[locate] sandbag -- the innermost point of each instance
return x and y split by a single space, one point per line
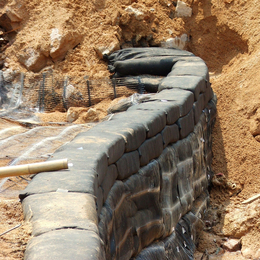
208 95
150 149
195 84
122 230
148 227
65 244
99 200
186 124
116 195
128 164
183 149
174 249
183 98
144 187
95 139
137 53
160 66
82 157
154 121
57 210
133 133
124 104
109 180
155 251
105 227
201 204
198 106
185 189
193 67
170 108
83 181
148 83
170 134
169 197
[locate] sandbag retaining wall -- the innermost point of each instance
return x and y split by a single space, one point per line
138 183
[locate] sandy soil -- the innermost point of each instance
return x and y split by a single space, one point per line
222 32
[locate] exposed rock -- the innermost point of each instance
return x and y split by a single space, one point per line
177 42
254 127
91 116
182 10
250 253
9 75
70 89
74 112
61 42
139 15
232 245
239 221
102 50
32 59
13 16
82 115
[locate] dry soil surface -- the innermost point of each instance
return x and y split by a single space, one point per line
225 33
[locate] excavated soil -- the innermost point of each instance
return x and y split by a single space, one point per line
225 33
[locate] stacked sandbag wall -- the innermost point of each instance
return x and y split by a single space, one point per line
137 184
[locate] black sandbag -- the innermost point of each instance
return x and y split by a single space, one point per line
96 139
150 149
184 236
198 106
83 181
137 53
183 149
186 124
109 180
195 226
122 229
128 164
201 204
170 134
99 200
195 84
183 98
174 249
208 95
185 189
169 197
82 157
65 244
148 226
149 83
134 133
160 66
212 108
116 195
193 67
105 227
57 210
154 121
144 187
170 108
155 251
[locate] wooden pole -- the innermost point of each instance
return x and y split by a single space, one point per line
33 168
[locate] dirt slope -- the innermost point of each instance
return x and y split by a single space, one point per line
225 33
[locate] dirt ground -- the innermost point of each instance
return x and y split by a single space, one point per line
225 33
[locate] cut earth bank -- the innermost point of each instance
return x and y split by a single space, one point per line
223 33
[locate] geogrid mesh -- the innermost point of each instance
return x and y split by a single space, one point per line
48 92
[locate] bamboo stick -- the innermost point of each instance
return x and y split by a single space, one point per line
33 168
